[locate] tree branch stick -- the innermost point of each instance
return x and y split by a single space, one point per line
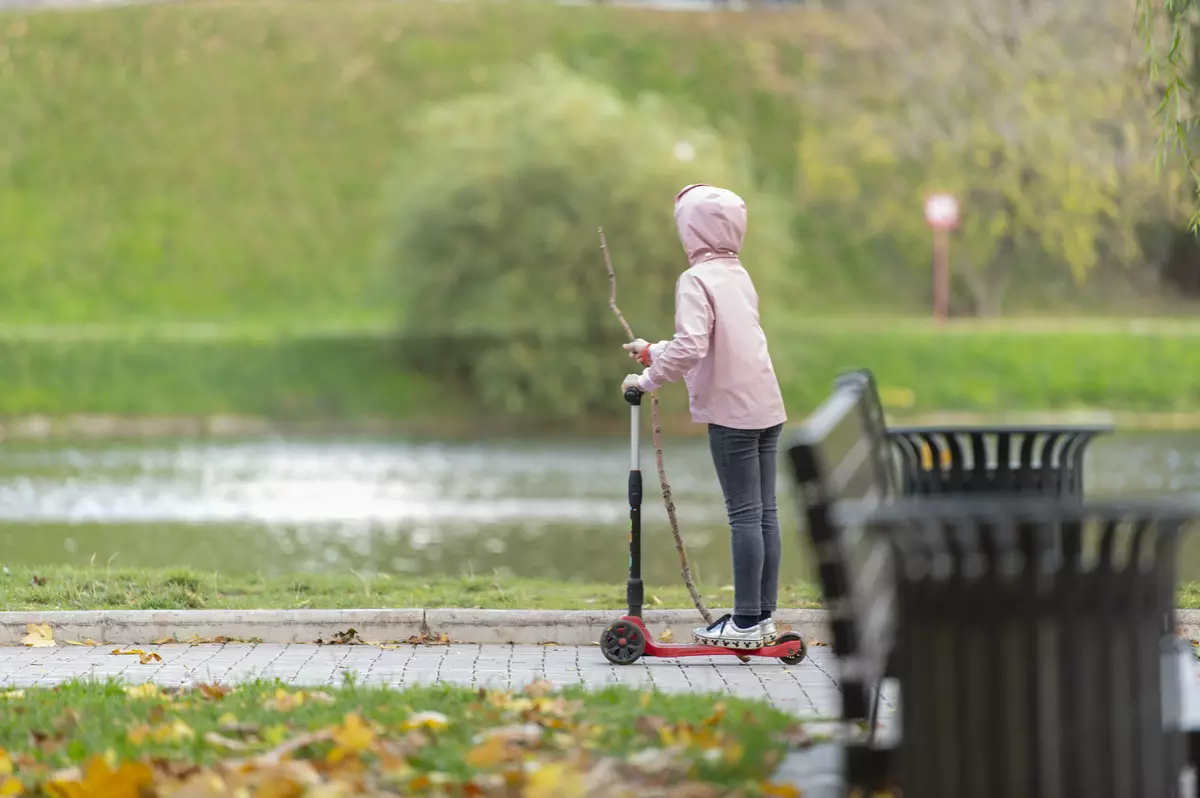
685 567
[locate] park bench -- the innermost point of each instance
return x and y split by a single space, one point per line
1030 658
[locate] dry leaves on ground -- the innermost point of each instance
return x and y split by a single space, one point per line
532 743
145 658
38 635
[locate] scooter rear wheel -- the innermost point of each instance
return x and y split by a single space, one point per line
623 643
792 637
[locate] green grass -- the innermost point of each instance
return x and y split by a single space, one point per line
225 161
339 375
470 742
70 588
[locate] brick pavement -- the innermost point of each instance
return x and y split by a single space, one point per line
807 690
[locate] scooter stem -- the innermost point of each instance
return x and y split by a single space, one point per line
634 591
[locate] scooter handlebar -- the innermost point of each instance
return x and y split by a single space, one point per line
633 396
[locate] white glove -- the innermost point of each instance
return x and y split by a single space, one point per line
630 382
637 350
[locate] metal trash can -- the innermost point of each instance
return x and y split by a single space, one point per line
1035 648
1026 460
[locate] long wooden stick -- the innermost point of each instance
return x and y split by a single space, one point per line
685 567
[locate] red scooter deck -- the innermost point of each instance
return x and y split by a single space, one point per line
789 647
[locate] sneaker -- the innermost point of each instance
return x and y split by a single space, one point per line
724 633
769 632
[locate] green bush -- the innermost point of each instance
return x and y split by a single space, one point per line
495 210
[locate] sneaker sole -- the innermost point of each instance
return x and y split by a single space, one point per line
741 645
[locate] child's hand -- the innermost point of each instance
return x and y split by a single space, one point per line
638 350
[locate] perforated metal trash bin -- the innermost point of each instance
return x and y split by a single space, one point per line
1035 646
1027 460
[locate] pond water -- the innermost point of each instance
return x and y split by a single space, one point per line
553 509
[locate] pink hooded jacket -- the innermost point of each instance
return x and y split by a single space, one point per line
719 346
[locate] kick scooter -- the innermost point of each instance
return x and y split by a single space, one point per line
626 641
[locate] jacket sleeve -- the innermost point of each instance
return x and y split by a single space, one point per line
693 329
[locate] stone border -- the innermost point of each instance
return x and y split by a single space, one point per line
528 627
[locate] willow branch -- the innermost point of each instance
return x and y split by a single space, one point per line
684 566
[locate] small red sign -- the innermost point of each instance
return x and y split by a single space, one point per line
941 211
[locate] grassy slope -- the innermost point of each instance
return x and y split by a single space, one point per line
215 160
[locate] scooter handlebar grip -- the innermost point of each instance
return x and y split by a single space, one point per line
633 396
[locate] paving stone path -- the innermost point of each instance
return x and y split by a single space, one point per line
808 690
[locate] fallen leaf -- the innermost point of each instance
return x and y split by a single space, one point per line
775 790
85 642
214 691
649 725
37 581
38 635
164 641
218 740
143 657
13 694
353 737
11 786
147 690
666 636
656 599
555 780
127 780
538 688
427 720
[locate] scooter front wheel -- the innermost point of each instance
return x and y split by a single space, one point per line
623 643
792 637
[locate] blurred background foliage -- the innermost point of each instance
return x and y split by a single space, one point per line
349 170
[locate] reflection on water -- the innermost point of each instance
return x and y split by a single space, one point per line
552 509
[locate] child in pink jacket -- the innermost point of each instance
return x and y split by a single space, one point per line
720 351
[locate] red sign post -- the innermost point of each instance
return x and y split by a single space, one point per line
941 212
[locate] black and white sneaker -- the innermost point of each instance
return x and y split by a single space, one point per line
769 631
724 633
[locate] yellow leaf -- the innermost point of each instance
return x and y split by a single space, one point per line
38 635
174 732
666 636
773 790
146 659
354 736
554 780
6 765
10 786
138 734
285 701
100 779
140 691
13 694
489 753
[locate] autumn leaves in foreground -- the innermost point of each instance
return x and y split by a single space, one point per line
264 740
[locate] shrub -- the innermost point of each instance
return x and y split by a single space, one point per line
493 234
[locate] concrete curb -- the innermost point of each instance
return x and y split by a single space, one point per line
527 627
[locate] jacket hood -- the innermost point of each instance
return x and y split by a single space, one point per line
711 222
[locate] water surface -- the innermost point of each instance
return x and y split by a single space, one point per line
553 509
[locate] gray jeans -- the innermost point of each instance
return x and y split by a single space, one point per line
746 460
